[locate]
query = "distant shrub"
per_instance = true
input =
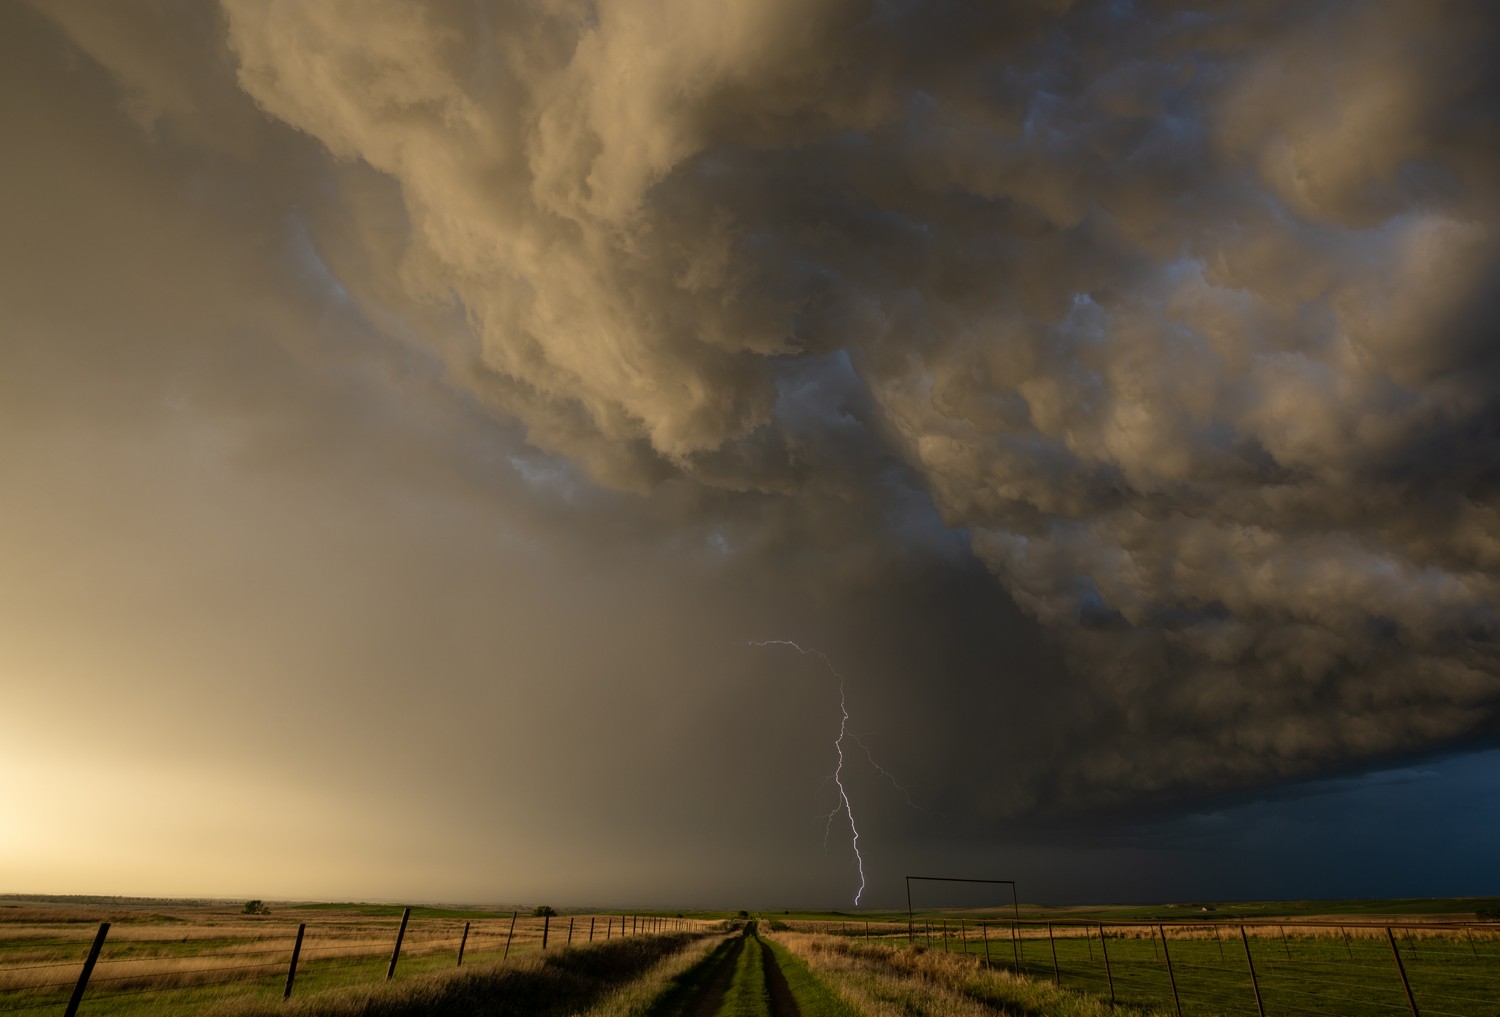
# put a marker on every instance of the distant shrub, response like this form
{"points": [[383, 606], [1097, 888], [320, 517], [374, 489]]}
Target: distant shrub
{"points": [[543, 911], [256, 907]]}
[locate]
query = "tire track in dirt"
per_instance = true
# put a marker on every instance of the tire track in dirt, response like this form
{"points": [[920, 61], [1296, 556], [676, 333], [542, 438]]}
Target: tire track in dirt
{"points": [[783, 1003], [710, 998]]}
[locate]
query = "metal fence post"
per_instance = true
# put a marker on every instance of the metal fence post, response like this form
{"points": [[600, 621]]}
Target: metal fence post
{"points": [[291, 972], [1052, 941], [1104, 949], [591, 928], [1254, 983], [1219, 939], [1171, 976], [546, 924], [463, 943], [945, 935], [88, 969], [509, 934], [1401, 970], [1015, 944], [984, 930], [1285, 945], [1348, 947], [963, 935], [390, 972], [570, 931]]}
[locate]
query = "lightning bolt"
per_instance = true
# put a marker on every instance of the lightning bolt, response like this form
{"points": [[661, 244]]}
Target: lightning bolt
{"points": [[843, 805]]}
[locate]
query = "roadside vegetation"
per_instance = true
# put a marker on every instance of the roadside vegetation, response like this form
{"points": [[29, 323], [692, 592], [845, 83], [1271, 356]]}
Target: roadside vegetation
{"points": [[879, 980]]}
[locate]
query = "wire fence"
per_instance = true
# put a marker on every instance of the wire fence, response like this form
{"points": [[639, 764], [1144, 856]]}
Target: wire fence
{"points": [[71, 968], [1260, 969]]}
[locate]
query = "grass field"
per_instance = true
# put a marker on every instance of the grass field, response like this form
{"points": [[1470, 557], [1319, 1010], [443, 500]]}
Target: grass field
{"points": [[171, 958]]}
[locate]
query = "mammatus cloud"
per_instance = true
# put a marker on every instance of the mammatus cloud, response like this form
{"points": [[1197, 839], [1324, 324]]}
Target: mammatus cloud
{"points": [[1183, 313]]}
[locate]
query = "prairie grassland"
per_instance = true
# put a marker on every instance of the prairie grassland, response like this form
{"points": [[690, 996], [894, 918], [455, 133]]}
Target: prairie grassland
{"points": [[879, 980], [162, 959], [1346, 971], [612, 979]]}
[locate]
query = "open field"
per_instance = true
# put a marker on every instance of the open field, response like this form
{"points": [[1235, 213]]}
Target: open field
{"points": [[173, 957]]}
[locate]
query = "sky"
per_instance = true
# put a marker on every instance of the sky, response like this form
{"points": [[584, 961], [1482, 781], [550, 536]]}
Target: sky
{"points": [[414, 417]]}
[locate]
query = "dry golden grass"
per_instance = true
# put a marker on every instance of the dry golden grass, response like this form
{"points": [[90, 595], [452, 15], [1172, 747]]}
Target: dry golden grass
{"points": [[885, 981]]}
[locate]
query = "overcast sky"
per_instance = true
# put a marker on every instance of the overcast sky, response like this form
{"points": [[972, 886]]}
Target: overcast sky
{"points": [[412, 415]]}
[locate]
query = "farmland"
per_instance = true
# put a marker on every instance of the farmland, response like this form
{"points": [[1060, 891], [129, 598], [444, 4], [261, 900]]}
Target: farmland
{"points": [[181, 957]]}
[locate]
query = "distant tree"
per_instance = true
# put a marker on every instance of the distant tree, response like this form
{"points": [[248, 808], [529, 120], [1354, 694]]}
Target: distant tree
{"points": [[543, 911], [256, 907], [744, 914]]}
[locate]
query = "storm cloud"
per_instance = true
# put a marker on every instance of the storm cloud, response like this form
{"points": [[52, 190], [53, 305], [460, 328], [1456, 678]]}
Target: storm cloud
{"points": [[1177, 318]]}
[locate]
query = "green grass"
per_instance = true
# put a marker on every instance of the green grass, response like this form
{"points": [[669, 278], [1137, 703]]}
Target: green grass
{"points": [[747, 996], [814, 997], [1323, 973]]}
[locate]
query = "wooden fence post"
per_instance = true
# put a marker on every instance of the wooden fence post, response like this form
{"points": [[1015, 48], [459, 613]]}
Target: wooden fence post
{"points": [[291, 972], [1172, 977], [1254, 982], [1401, 970], [1056, 974], [509, 934], [1104, 949], [463, 943], [390, 972], [88, 969], [570, 930]]}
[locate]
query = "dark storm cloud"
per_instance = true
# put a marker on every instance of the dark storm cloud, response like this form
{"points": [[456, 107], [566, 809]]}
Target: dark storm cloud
{"points": [[1180, 315]]}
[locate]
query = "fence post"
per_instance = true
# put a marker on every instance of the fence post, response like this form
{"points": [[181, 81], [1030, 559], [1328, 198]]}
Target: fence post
{"points": [[945, 935], [1348, 947], [1284, 944], [1172, 977], [291, 972], [1472, 947], [509, 934], [463, 943], [88, 969], [1052, 941], [1219, 939], [963, 935], [1401, 970], [1107, 972], [984, 930], [570, 930], [1254, 983], [591, 928], [390, 972], [546, 924]]}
